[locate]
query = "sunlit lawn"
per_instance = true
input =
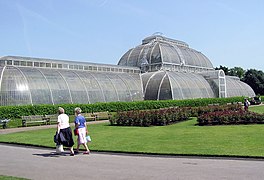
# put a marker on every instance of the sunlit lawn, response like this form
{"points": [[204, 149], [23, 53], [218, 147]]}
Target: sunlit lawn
{"points": [[11, 178], [184, 138]]}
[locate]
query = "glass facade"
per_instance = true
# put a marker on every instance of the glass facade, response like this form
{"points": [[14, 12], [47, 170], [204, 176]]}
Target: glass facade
{"points": [[162, 85], [172, 70], [159, 69], [20, 85]]}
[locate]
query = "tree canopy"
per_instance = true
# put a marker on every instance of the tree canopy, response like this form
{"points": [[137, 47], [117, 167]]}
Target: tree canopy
{"points": [[254, 78]]}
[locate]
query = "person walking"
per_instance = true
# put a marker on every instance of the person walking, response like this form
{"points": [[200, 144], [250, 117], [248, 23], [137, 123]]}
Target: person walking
{"points": [[246, 104], [80, 124], [64, 130]]}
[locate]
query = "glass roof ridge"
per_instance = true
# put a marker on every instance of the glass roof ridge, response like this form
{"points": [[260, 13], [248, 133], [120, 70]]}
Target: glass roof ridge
{"points": [[49, 60], [164, 39]]}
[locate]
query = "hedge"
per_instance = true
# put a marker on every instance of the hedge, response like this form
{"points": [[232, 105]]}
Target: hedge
{"points": [[18, 111]]}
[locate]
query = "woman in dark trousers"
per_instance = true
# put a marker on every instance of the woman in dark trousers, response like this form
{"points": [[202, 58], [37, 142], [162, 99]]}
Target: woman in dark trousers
{"points": [[64, 131]]}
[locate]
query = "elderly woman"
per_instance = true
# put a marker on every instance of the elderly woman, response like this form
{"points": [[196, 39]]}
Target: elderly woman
{"points": [[64, 130], [80, 124]]}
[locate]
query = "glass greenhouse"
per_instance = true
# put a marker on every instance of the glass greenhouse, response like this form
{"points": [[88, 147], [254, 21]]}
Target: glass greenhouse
{"points": [[158, 69], [170, 69], [44, 81]]}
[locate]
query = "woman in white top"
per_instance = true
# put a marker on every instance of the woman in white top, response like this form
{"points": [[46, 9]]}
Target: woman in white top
{"points": [[64, 130]]}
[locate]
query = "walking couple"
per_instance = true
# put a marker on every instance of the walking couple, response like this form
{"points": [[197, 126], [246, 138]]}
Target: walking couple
{"points": [[64, 132]]}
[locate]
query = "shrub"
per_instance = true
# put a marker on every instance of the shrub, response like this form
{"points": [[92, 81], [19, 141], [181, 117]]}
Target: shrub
{"points": [[229, 117], [155, 117]]}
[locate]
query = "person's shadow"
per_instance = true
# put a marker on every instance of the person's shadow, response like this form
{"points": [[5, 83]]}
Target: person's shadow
{"points": [[53, 154]]}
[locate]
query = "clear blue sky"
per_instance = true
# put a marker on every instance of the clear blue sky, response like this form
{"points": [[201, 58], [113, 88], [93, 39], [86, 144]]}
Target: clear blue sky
{"points": [[228, 32]]}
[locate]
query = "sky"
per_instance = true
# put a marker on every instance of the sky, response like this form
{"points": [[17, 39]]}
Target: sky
{"points": [[229, 32]]}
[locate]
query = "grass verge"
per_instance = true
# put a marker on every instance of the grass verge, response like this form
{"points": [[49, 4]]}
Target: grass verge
{"points": [[179, 139]]}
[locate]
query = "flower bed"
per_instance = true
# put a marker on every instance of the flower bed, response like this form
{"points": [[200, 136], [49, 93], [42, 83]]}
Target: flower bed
{"points": [[156, 117], [229, 117]]}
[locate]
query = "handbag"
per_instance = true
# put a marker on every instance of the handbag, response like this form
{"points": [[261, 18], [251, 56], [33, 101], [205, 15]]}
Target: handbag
{"points": [[59, 149], [88, 138], [76, 131], [56, 138]]}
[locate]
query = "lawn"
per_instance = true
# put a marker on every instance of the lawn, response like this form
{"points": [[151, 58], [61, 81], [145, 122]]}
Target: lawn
{"points": [[183, 138], [11, 178]]}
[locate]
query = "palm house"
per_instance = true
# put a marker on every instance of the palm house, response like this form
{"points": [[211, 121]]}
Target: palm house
{"points": [[159, 69]]}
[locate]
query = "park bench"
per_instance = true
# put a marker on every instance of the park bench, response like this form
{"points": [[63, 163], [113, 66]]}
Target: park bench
{"points": [[4, 122], [89, 116], [97, 116], [51, 118], [33, 119], [103, 115]]}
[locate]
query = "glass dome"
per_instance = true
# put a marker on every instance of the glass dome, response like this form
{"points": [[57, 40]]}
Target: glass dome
{"points": [[158, 52]]}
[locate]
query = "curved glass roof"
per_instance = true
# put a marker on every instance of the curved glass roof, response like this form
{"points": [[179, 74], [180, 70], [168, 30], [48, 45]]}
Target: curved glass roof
{"points": [[172, 71], [235, 87], [161, 50], [163, 85], [27, 85]]}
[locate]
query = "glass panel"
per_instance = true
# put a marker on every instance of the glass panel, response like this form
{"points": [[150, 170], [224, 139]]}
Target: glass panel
{"points": [[165, 90], [58, 86], [121, 88], [76, 86], [93, 87], [14, 88], [9, 62], [29, 63], [16, 63], [54, 65], [38, 86], [153, 86], [36, 64], [107, 87]]}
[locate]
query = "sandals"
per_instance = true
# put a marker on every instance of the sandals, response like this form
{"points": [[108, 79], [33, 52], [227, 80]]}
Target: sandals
{"points": [[86, 152]]}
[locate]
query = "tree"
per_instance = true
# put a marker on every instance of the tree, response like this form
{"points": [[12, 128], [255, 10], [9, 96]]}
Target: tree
{"points": [[255, 79], [225, 69], [237, 71]]}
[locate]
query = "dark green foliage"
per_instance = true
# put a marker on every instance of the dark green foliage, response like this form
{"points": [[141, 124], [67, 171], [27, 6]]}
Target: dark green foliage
{"points": [[255, 79], [225, 69], [18, 111]]}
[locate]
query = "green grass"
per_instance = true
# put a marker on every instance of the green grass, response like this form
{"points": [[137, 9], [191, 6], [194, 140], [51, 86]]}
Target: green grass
{"points": [[257, 109], [11, 178], [179, 139]]}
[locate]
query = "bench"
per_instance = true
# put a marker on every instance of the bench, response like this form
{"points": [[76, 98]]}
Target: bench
{"points": [[89, 116], [103, 115], [33, 119], [51, 118], [4, 122]]}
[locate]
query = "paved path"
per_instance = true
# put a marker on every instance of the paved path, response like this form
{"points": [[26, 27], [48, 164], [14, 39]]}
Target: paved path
{"points": [[42, 164]]}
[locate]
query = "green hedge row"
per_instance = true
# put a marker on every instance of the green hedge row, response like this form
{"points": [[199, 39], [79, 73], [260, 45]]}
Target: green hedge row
{"points": [[18, 111]]}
